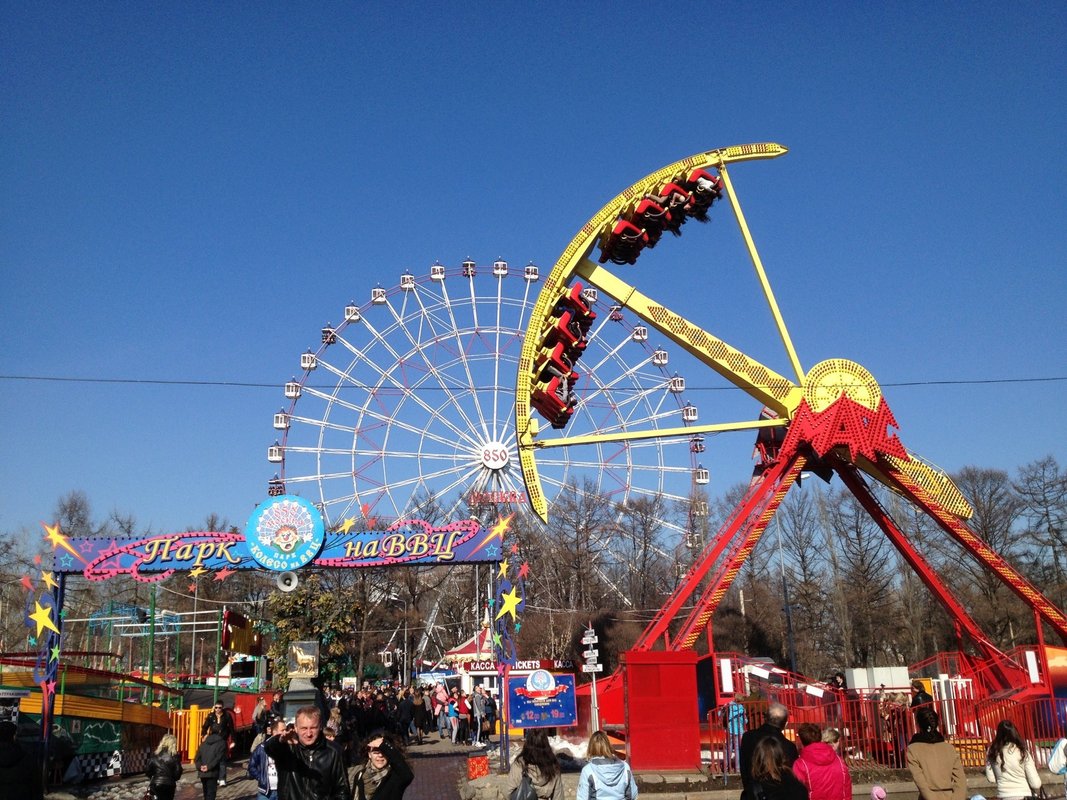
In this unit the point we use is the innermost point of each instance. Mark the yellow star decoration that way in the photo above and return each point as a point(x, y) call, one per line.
point(501, 526)
point(57, 539)
point(43, 617)
point(503, 569)
point(53, 535)
point(198, 571)
point(49, 581)
point(511, 601)
point(347, 525)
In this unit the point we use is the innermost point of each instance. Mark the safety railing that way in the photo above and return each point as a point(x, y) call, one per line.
point(876, 728)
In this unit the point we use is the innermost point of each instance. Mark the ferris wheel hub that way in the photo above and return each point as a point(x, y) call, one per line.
point(495, 455)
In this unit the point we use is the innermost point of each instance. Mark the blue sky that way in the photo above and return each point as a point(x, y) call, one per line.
point(189, 191)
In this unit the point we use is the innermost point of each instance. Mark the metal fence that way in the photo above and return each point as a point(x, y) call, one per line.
point(875, 728)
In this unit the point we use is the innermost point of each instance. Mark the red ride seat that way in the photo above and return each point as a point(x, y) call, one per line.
point(623, 244)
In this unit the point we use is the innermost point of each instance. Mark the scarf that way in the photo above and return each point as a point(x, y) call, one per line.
point(372, 778)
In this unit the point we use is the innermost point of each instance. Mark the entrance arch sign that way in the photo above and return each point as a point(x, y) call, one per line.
point(281, 535)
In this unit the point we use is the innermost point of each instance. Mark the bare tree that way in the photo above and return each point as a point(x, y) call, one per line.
point(1042, 488)
point(996, 510)
point(817, 641)
point(581, 523)
point(73, 514)
point(866, 579)
point(646, 569)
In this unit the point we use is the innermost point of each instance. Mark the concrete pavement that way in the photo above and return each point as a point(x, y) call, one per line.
point(440, 769)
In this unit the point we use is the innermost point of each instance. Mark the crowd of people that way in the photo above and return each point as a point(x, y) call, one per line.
point(309, 757)
point(411, 713)
point(773, 767)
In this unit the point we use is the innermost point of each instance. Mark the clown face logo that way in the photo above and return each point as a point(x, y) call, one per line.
point(285, 538)
point(285, 533)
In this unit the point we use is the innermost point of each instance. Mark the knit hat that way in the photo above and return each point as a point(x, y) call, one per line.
point(877, 792)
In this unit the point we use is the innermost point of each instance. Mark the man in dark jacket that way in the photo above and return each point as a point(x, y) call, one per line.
point(777, 715)
point(209, 763)
point(219, 721)
point(277, 705)
point(309, 766)
point(20, 778)
point(919, 695)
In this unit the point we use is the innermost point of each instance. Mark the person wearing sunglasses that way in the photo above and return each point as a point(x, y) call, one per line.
point(386, 774)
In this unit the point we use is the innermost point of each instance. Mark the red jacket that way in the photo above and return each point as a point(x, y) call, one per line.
point(821, 769)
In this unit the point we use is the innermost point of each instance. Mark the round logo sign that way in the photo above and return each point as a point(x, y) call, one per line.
point(284, 533)
point(540, 681)
point(494, 455)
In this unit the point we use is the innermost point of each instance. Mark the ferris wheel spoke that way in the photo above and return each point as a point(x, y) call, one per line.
point(526, 305)
point(383, 419)
point(321, 423)
point(456, 391)
point(497, 328)
point(456, 328)
point(420, 351)
point(413, 483)
point(457, 477)
point(386, 415)
point(387, 376)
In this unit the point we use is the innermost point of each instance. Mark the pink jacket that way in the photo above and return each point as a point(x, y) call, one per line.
point(821, 769)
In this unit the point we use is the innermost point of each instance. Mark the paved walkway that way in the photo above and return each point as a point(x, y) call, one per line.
point(439, 766)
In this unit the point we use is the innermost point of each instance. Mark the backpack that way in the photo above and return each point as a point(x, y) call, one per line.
point(1057, 762)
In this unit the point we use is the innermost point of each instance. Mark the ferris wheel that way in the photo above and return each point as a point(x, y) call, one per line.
point(407, 406)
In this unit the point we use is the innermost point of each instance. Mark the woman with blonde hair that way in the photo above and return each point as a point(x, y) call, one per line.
point(164, 768)
point(605, 776)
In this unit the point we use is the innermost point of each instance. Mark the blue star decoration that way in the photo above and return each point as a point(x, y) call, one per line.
point(66, 561)
point(492, 551)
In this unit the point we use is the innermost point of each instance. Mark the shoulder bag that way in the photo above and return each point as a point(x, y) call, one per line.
point(525, 789)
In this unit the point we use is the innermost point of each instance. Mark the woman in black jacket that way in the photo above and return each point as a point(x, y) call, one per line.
point(772, 778)
point(386, 774)
point(164, 768)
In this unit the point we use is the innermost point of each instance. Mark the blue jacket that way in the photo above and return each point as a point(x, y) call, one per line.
point(606, 779)
point(734, 718)
point(258, 771)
